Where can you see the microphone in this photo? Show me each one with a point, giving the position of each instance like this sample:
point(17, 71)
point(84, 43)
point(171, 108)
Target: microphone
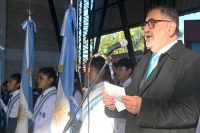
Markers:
point(109, 50)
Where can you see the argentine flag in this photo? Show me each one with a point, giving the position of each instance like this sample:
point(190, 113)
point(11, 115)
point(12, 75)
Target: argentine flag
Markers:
point(25, 104)
point(64, 103)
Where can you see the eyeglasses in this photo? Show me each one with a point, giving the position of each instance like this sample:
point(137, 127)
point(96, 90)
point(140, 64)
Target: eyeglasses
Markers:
point(151, 23)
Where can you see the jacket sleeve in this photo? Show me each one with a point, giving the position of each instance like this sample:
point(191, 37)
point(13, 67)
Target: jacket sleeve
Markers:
point(115, 113)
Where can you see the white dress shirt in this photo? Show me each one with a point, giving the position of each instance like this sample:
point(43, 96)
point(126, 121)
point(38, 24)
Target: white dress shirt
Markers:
point(42, 122)
point(167, 47)
point(126, 83)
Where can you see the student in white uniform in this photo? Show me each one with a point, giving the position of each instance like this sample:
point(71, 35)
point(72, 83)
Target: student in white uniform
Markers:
point(12, 107)
point(45, 104)
point(98, 121)
point(123, 75)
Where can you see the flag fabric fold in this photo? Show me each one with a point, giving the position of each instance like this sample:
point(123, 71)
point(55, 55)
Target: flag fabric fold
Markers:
point(26, 104)
point(64, 103)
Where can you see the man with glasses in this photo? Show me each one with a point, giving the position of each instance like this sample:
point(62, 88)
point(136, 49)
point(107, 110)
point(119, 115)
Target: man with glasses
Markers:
point(164, 94)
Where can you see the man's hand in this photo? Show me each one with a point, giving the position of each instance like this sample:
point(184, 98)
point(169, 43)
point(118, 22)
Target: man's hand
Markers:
point(132, 103)
point(108, 101)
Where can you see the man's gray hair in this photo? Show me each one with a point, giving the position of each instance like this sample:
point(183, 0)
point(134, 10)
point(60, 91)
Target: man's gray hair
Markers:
point(169, 12)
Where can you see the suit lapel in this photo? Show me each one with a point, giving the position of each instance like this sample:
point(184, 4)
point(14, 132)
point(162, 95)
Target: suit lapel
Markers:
point(141, 71)
point(172, 53)
point(146, 83)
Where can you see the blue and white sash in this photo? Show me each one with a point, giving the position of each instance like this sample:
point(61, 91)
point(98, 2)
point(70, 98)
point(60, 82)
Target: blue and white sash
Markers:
point(10, 105)
point(42, 101)
point(94, 98)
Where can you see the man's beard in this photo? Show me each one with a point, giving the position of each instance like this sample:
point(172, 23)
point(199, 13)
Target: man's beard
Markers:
point(149, 45)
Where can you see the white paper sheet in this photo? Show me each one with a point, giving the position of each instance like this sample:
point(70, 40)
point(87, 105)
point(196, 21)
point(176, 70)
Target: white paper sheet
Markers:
point(116, 92)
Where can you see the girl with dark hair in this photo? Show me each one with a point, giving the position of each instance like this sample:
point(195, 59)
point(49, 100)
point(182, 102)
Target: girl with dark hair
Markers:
point(11, 109)
point(45, 104)
point(93, 108)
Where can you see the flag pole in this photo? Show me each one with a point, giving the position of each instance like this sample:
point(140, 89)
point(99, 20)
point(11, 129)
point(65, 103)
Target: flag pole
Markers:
point(29, 10)
point(25, 101)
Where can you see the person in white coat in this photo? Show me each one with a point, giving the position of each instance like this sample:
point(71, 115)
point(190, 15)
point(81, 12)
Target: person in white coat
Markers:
point(93, 115)
point(11, 109)
point(45, 104)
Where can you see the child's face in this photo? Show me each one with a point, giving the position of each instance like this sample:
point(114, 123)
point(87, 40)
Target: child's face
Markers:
point(12, 85)
point(43, 81)
point(123, 73)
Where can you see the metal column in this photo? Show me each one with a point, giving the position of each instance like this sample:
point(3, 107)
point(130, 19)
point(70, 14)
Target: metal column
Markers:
point(101, 24)
point(127, 33)
point(55, 23)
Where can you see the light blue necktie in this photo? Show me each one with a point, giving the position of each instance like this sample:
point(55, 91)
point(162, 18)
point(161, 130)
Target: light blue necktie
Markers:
point(153, 63)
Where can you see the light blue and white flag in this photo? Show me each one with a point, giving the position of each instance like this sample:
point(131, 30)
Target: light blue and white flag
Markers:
point(26, 81)
point(64, 102)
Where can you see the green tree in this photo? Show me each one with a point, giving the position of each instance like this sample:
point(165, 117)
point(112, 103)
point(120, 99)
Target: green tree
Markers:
point(136, 36)
point(110, 39)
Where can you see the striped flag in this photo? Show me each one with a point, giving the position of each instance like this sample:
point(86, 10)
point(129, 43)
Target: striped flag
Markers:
point(64, 102)
point(26, 81)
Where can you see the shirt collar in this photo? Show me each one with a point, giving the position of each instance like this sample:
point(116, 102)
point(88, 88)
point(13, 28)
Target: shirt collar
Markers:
point(99, 85)
point(49, 90)
point(15, 93)
point(167, 47)
point(127, 82)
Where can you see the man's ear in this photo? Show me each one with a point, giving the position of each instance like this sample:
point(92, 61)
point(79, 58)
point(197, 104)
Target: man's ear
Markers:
point(172, 28)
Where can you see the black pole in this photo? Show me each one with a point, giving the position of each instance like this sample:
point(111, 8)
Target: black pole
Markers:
point(82, 19)
point(101, 24)
point(127, 33)
point(146, 6)
point(55, 23)
point(89, 39)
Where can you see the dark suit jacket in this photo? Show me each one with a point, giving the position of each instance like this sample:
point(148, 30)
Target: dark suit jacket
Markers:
point(170, 97)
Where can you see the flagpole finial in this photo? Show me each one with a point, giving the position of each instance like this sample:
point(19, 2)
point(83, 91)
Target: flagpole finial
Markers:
point(29, 13)
point(71, 2)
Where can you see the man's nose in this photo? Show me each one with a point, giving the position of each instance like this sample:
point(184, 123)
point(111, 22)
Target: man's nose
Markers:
point(146, 28)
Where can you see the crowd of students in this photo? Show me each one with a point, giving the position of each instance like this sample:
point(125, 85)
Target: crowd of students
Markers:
point(44, 98)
